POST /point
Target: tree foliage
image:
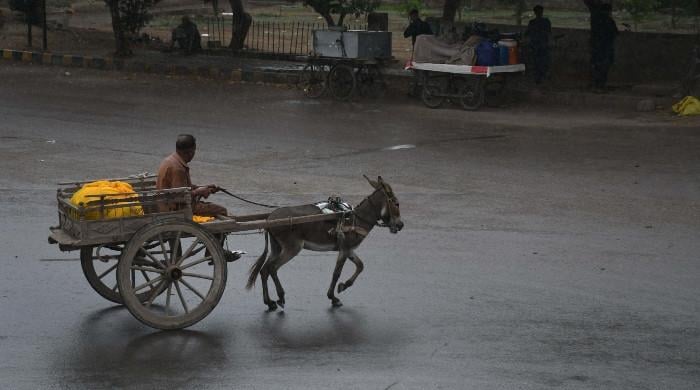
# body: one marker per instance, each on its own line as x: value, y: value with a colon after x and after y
x: 519, y: 8
x: 30, y: 8
x: 342, y: 8
x: 449, y: 10
x: 128, y: 17
x: 639, y: 9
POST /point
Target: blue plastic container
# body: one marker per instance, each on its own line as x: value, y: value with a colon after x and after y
x: 502, y: 55
x: 487, y: 53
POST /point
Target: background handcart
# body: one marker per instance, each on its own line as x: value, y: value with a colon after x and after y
x: 346, y: 63
x: 463, y: 84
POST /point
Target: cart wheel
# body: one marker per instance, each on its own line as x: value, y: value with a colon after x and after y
x: 430, y: 97
x: 193, y: 280
x: 494, y: 92
x: 313, y: 80
x: 472, y: 95
x: 342, y: 82
x: 370, y: 81
x: 99, y: 265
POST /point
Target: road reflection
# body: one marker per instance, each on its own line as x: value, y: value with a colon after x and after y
x: 112, y: 350
x: 345, y: 327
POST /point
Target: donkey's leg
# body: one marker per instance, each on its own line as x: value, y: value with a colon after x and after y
x: 359, y: 266
x: 287, y: 254
x: 264, y: 273
x: 336, y: 275
x: 275, y: 251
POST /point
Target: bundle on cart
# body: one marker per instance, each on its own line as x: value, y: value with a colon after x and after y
x: 120, y: 194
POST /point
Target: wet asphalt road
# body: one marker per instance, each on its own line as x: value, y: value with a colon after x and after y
x: 541, y: 250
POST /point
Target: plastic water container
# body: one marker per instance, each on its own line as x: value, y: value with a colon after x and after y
x: 503, y: 56
x: 511, y: 46
x: 513, y: 56
x: 508, y: 51
x: 486, y: 53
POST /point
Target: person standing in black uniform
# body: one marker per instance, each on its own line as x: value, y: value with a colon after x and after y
x: 603, y: 34
x: 416, y: 27
x: 538, y: 31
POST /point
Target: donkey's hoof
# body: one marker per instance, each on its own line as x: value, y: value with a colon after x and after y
x: 337, y: 303
x: 341, y: 287
x: 271, y: 306
x: 280, y: 302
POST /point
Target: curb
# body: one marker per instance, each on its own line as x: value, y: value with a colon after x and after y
x: 396, y: 80
x: 591, y: 100
x: 236, y: 75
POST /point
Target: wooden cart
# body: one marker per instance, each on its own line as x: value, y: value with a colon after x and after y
x: 167, y: 270
x: 463, y: 84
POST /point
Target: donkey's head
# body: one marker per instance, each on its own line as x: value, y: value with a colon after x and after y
x: 390, y: 213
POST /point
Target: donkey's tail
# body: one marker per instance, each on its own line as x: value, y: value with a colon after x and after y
x: 255, y: 269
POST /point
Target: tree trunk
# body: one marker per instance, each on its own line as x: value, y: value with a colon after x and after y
x: 519, y: 10
x: 241, y: 23
x: 449, y: 10
x: 122, y: 45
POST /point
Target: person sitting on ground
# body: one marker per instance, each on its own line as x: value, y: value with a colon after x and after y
x: 416, y: 27
x: 187, y: 36
x: 538, y: 31
x: 174, y: 172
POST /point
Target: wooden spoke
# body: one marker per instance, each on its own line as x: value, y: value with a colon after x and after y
x: 149, y: 283
x: 110, y: 269
x: 147, y: 269
x: 188, y: 252
x: 173, y: 253
x: 197, y: 276
x: 155, y: 292
x: 192, y: 264
x: 194, y: 290
x: 182, y: 299
x: 153, y: 259
x: 167, y: 298
x: 162, y: 247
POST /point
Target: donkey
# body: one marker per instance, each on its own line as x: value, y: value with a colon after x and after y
x: 287, y: 241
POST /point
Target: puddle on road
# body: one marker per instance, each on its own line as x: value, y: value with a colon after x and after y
x: 400, y: 147
x: 304, y: 102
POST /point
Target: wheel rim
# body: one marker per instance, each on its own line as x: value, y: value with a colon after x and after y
x: 99, y: 265
x: 429, y: 99
x: 185, y: 286
x: 341, y: 81
x: 370, y: 81
x: 313, y: 80
x: 473, y: 96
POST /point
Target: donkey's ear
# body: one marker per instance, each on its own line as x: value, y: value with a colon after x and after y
x: 373, y: 183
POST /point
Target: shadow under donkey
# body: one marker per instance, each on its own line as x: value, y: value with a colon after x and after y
x: 379, y: 208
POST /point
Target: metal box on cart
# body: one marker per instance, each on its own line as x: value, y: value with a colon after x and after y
x: 358, y: 44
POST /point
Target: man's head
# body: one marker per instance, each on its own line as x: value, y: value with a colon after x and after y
x: 539, y: 10
x: 606, y: 8
x: 185, y: 146
x: 413, y: 15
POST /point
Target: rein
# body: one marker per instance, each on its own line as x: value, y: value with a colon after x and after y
x: 225, y: 191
